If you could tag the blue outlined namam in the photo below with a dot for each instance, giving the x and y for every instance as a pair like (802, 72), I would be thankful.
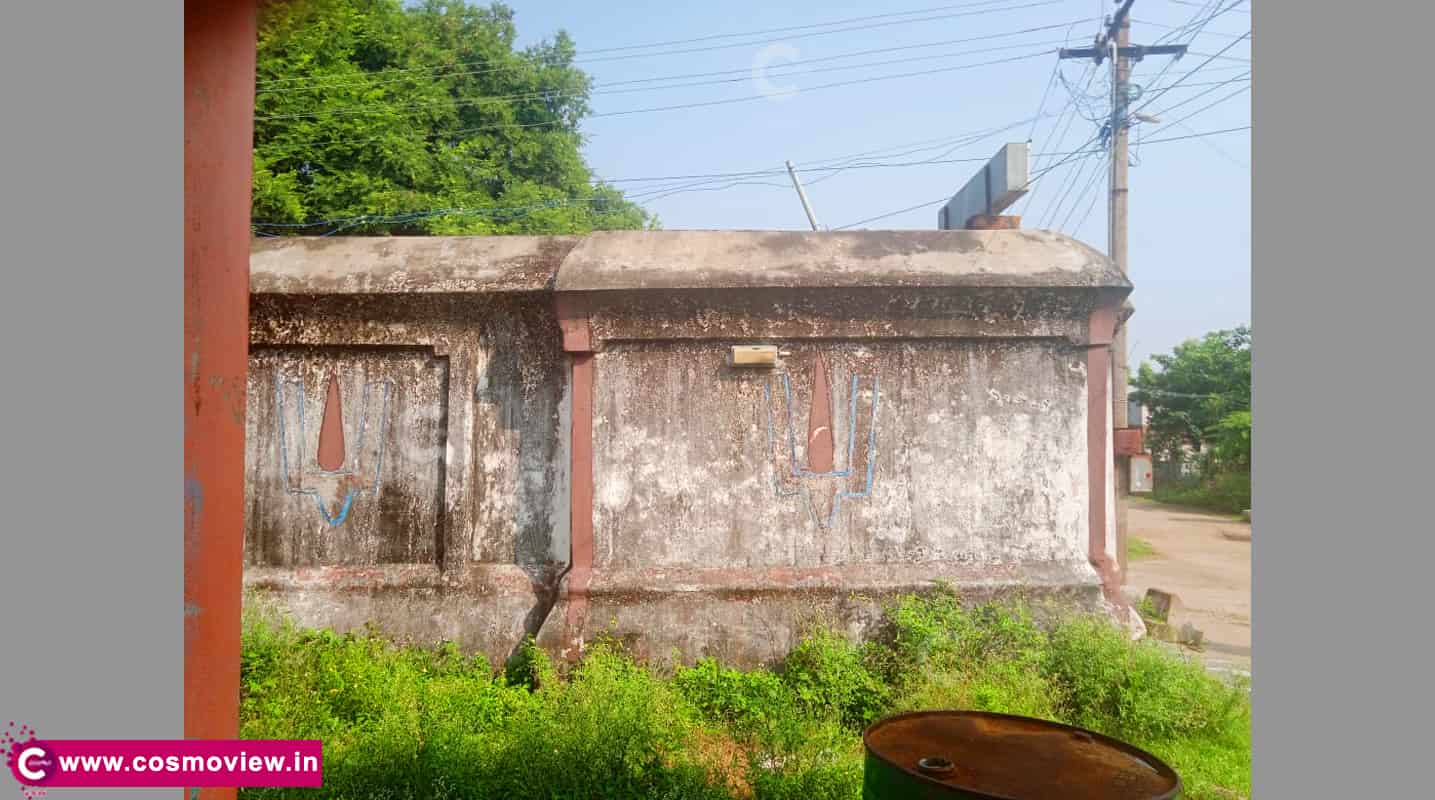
(334, 476)
(819, 482)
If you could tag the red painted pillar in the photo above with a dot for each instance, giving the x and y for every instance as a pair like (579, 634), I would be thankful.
(1098, 427)
(578, 343)
(219, 54)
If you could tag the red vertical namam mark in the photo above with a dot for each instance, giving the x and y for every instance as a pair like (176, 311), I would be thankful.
(331, 431)
(819, 422)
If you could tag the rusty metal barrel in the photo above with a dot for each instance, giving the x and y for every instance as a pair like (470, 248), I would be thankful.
(977, 755)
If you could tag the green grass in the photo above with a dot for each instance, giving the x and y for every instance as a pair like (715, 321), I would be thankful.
(1228, 493)
(414, 723)
(1137, 548)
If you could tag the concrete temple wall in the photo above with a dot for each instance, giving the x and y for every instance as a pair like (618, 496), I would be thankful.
(546, 435)
(435, 364)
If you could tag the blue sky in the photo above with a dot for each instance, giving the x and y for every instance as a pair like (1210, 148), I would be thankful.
(1190, 215)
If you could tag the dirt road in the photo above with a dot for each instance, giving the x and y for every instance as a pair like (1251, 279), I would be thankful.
(1210, 572)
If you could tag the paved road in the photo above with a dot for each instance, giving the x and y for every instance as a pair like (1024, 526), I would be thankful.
(1209, 572)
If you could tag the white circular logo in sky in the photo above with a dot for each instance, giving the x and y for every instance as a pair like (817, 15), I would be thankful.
(766, 59)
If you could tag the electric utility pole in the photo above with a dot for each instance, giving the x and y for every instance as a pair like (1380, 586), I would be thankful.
(1115, 43)
(802, 195)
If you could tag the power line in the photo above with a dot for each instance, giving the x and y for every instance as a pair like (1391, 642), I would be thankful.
(1089, 208)
(1223, 99)
(1183, 27)
(1223, 57)
(409, 216)
(1041, 106)
(1060, 141)
(684, 106)
(852, 54)
(1215, 147)
(408, 72)
(1057, 142)
(741, 178)
(1182, 79)
(1189, 3)
(791, 27)
(1226, 82)
(835, 166)
(560, 93)
(941, 199)
(346, 223)
(1073, 179)
(1216, 11)
(1198, 135)
(1214, 86)
(1163, 393)
(1034, 178)
(939, 158)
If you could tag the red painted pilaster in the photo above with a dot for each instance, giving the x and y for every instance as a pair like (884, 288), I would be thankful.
(1098, 425)
(219, 56)
(577, 341)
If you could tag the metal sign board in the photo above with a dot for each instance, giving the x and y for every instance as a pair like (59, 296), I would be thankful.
(996, 186)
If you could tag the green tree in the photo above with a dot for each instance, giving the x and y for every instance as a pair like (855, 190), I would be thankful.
(1200, 394)
(380, 115)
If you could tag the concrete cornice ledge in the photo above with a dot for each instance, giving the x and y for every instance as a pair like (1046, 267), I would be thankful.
(381, 265)
(687, 260)
(678, 260)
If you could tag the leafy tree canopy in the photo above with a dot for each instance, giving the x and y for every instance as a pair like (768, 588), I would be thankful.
(1200, 393)
(378, 115)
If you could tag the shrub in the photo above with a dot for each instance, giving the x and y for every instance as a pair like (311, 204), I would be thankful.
(1133, 690)
(747, 702)
(1228, 492)
(948, 656)
(612, 730)
(416, 723)
(829, 673)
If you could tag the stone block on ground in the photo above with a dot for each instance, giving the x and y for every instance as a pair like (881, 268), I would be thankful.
(1167, 620)
(1164, 606)
(1189, 635)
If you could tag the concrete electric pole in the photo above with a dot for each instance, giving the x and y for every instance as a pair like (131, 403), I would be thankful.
(1115, 43)
(802, 195)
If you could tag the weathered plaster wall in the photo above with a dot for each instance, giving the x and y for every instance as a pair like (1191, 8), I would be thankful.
(927, 419)
(379, 503)
(438, 360)
(959, 452)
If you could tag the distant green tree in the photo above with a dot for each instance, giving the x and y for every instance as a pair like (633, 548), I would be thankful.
(1200, 394)
(368, 109)
(1231, 441)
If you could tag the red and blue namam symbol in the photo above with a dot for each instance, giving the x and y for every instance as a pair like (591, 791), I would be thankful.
(820, 483)
(338, 474)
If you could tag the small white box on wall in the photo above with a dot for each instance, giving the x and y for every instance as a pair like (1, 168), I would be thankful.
(1141, 482)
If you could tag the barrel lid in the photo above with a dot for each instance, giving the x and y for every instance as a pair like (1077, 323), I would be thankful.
(1004, 757)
